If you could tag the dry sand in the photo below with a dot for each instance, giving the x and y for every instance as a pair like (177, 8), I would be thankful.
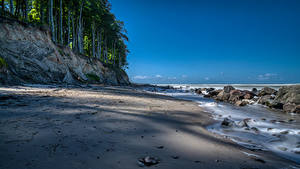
(98, 127)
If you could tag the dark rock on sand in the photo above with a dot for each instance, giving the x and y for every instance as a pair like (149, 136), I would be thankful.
(241, 103)
(289, 96)
(267, 91)
(227, 89)
(254, 90)
(198, 91)
(148, 161)
(244, 123)
(265, 100)
(223, 96)
(291, 108)
(227, 122)
(235, 95)
(276, 105)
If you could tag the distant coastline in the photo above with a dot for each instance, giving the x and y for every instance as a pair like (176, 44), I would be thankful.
(244, 86)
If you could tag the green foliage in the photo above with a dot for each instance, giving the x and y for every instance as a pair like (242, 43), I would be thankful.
(3, 63)
(93, 77)
(96, 14)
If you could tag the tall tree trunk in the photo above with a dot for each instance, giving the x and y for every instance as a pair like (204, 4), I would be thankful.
(74, 34)
(113, 53)
(41, 13)
(3, 7)
(61, 23)
(52, 20)
(119, 60)
(100, 44)
(93, 40)
(26, 10)
(80, 36)
(11, 6)
(69, 26)
(49, 13)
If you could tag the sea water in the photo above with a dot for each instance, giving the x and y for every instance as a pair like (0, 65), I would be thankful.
(267, 129)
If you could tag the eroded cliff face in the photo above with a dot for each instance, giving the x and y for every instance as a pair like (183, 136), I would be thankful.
(31, 57)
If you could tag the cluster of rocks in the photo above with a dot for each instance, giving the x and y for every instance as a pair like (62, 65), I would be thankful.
(287, 98)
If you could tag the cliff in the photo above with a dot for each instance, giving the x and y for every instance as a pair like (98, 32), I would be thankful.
(27, 55)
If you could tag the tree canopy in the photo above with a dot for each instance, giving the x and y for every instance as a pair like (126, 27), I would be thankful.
(87, 26)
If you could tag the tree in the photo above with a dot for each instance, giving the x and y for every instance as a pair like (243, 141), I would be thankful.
(91, 29)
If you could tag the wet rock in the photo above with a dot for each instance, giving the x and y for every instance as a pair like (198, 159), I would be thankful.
(258, 159)
(223, 96)
(267, 91)
(244, 123)
(297, 109)
(255, 129)
(289, 94)
(241, 103)
(276, 105)
(284, 132)
(235, 95)
(265, 100)
(289, 107)
(249, 96)
(148, 161)
(214, 93)
(227, 89)
(175, 157)
(254, 90)
(160, 147)
(282, 148)
(210, 89)
(227, 122)
(198, 91)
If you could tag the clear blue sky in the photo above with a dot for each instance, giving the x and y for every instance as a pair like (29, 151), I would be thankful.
(212, 41)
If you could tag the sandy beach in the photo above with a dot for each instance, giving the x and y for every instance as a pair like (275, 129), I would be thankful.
(98, 127)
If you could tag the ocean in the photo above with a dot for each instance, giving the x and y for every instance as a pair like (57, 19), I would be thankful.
(268, 130)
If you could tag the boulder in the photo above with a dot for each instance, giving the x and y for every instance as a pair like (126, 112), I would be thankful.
(267, 91)
(289, 107)
(254, 90)
(235, 95)
(265, 100)
(297, 109)
(240, 103)
(210, 89)
(227, 89)
(276, 105)
(227, 122)
(223, 96)
(198, 91)
(289, 96)
(213, 93)
(244, 123)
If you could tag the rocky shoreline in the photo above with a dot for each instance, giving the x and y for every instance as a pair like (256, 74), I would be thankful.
(287, 98)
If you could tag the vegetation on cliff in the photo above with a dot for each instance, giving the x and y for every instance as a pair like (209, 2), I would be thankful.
(86, 26)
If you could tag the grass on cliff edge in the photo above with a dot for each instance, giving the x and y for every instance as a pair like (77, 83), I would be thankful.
(3, 63)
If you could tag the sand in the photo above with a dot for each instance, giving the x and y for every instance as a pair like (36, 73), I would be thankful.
(98, 127)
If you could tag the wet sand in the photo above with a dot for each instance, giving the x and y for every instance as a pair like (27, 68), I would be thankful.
(95, 127)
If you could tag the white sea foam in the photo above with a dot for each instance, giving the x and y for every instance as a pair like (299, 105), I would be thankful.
(268, 130)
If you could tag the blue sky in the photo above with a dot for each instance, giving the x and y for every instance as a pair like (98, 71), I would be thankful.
(212, 41)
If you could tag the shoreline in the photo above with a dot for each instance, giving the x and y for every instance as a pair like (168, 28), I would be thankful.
(118, 125)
